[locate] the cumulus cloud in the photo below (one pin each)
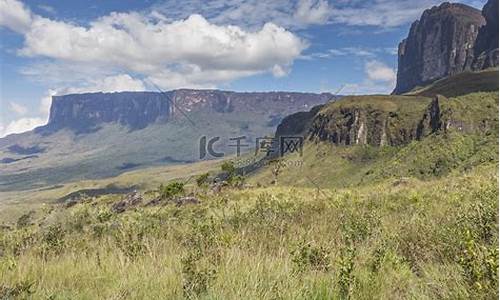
(192, 51)
(14, 15)
(380, 79)
(378, 71)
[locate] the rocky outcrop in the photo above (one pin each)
(486, 47)
(130, 200)
(86, 112)
(432, 121)
(377, 125)
(385, 120)
(298, 123)
(438, 45)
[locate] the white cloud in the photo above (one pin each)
(248, 14)
(117, 83)
(14, 15)
(380, 79)
(312, 12)
(378, 71)
(193, 49)
(18, 108)
(21, 125)
(46, 102)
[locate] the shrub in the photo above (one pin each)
(229, 168)
(25, 219)
(53, 240)
(171, 190)
(308, 256)
(346, 279)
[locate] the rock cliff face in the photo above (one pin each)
(82, 112)
(486, 47)
(86, 112)
(387, 120)
(440, 44)
(370, 120)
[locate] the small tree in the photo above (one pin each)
(229, 168)
(171, 190)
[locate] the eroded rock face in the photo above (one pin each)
(382, 121)
(359, 126)
(438, 45)
(86, 112)
(486, 47)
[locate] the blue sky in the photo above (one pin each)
(57, 47)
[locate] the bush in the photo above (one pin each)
(308, 256)
(229, 168)
(171, 190)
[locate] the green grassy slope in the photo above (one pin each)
(461, 84)
(327, 165)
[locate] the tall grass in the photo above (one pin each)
(389, 240)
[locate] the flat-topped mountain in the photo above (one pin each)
(136, 110)
(98, 135)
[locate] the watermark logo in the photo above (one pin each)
(269, 145)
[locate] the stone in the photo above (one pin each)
(130, 200)
(438, 45)
(486, 47)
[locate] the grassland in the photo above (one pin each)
(390, 240)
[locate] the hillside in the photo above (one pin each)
(460, 84)
(358, 140)
(404, 238)
(212, 194)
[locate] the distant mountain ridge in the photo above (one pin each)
(86, 112)
(443, 43)
(98, 135)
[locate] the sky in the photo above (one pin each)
(59, 47)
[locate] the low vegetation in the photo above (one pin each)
(434, 239)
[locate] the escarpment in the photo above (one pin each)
(85, 113)
(387, 120)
